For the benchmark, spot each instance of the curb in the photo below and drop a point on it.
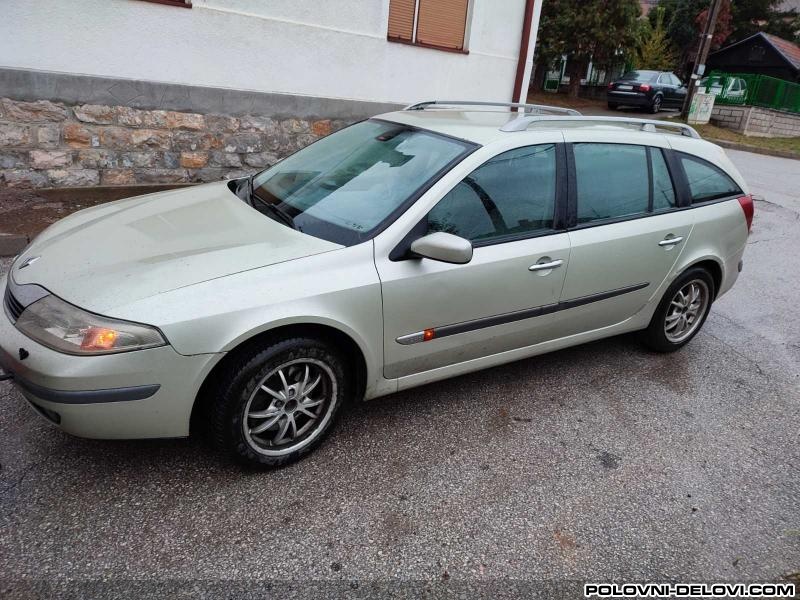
(754, 149)
(12, 244)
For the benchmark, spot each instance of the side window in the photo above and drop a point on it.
(663, 191)
(706, 182)
(612, 181)
(675, 80)
(663, 79)
(513, 193)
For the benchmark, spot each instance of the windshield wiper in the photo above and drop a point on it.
(275, 210)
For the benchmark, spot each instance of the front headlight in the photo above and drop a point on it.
(66, 328)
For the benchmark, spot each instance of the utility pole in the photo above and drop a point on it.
(702, 55)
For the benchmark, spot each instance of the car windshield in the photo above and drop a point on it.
(639, 76)
(345, 186)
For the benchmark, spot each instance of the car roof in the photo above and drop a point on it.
(484, 127)
(480, 126)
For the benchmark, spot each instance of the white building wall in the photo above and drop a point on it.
(327, 48)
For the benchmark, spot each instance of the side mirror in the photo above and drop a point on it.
(443, 247)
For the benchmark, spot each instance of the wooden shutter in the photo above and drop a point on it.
(442, 23)
(401, 20)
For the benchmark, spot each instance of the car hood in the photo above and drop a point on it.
(130, 249)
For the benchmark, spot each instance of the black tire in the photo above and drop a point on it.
(655, 337)
(656, 104)
(239, 389)
(613, 106)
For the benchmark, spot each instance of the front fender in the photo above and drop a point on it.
(338, 289)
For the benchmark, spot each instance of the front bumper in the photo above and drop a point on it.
(140, 394)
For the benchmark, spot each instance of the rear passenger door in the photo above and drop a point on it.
(668, 89)
(680, 90)
(626, 232)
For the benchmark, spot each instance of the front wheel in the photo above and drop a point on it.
(681, 312)
(276, 404)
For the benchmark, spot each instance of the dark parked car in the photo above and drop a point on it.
(653, 90)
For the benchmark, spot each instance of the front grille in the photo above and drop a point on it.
(12, 305)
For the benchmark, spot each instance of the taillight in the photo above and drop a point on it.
(611, 85)
(748, 207)
(644, 88)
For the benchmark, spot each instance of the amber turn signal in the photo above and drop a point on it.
(99, 338)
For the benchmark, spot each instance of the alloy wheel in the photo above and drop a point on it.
(686, 310)
(656, 104)
(289, 407)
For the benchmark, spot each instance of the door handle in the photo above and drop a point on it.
(673, 241)
(546, 266)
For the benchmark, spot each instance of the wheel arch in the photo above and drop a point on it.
(713, 266)
(353, 354)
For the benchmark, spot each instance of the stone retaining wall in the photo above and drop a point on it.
(757, 121)
(54, 144)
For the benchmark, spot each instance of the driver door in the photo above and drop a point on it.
(505, 296)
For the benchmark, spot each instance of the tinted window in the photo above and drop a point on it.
(513, 193)
(675, 80)
(706, 182)
(345, 185)
(612, 181)
(640, 76)
(663, 192)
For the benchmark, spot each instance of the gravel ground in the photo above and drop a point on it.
(596, 463)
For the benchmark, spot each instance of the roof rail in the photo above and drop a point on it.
(527, 108)
(521, 123)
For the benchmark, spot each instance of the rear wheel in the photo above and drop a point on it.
(276, 404)
(681, 312)
(655, 105)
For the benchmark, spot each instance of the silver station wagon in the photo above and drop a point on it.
(405, 249)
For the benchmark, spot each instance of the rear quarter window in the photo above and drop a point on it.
(706, 181)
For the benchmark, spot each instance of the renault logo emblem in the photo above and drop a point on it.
(28, 262)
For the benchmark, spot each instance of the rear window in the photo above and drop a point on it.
(706, 182)
(640, 76)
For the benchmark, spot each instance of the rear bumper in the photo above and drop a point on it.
(732, 267)
(632, 98)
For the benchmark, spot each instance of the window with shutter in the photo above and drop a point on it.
(401, 19)
(440, 24)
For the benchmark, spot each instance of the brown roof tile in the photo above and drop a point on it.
(789, 50)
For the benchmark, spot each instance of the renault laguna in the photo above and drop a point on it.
(405, 249)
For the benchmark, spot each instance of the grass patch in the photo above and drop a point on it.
(564, 100)
(712, 132)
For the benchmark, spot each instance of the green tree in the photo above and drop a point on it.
(602, 31)
(741, 19)
(752, 16)
(654, 50)
(680, 17)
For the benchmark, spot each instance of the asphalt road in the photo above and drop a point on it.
(600, 462)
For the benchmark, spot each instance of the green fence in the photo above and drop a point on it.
(753, 90)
